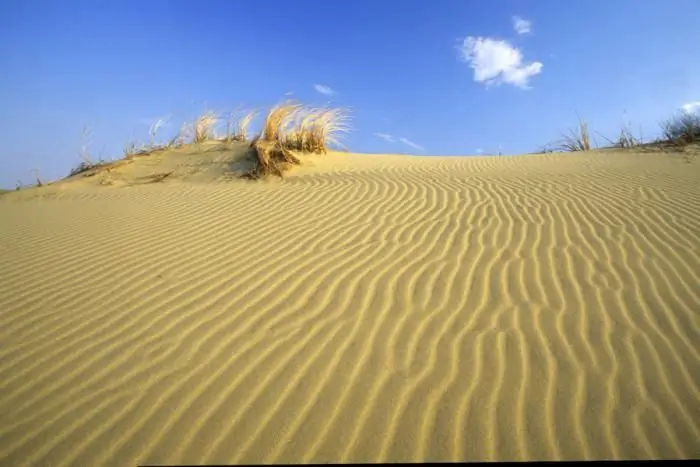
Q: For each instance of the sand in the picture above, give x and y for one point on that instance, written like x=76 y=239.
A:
x=366 y=308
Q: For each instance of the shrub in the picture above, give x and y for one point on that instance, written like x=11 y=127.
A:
x=682 y=129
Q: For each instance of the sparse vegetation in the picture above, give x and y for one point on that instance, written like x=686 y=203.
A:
x=577 y=140
x=86 y=163
x=237 y=128
x=682 y=129
x=85 y=141
x=289 y=128
x=204 y=126
x=153 y=131
x=625 y=140
x=38 y=178
x=546 y=149
x=130 y=150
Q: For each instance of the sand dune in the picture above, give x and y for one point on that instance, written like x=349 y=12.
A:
x=366 y=308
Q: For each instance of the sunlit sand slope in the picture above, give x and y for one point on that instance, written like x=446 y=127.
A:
x=366 y=308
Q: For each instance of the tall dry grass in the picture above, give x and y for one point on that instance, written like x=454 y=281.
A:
x=577 y=139
x=314 y=129
x=682 y=129
x=291 y=128
x=203 y=128
x=625 y=139
x=237 y=128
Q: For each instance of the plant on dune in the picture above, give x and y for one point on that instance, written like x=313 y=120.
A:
x=85 y=141
x=289 y=128
x=625 y=140
x=682 y=129
x=153 y=131
x=576 y=140
x=314 y=129
x=277 y=121
x=204 y=126
x=237 y=129
x=270 y=156
x=38 y=178
x=130 y=150
x=87 y=162
x=186 y=131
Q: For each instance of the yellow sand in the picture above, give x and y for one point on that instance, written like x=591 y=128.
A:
x=366 y=308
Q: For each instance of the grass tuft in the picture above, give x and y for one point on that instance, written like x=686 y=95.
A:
x=289 y=128
x=625 y=139
x=682 y=129
x=577 y=139
x=204 y=127
x=237 y=128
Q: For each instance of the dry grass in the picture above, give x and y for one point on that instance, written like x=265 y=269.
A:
x=271 y=158
x=38 y=178
x=576 y=140
x=314 y=129
x=625 y=140
x=682 y=129
x=204 y=127
x=289 y=128
x=277 y=121
x=153 y=131
x=237 y=128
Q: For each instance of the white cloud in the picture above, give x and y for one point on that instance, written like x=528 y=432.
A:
x=497 y=61
x=691 y=107
x=324 y=89
x=412 y=144
x=479 y=151
x=522 y=26
x=386 y=137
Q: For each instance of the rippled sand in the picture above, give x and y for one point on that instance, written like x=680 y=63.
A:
x=366 y=308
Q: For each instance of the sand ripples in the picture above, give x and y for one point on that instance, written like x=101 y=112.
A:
x=420 y=309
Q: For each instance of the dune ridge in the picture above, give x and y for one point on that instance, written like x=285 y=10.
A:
x=365 y=308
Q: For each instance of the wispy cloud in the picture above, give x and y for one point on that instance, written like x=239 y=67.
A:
x=497 y=61
x=324 y=89
x=691 y=107
x=521 y=25
x=408 y=142
x=479 y=151
x=385 y=137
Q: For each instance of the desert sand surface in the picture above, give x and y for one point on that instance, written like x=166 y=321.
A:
x=366 y=308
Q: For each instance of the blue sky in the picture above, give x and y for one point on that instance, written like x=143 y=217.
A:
x=440 y=77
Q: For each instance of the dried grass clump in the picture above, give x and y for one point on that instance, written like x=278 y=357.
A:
x=271 y=158
x=682 y=129
x=277 y=121
x=289 y=128
x=625 y=140
x=313 y=130
x=237 y=129
x=576 y=140
x=204 y=127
